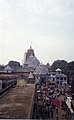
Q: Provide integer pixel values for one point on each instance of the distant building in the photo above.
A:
(8, 69)
(58, 77)
(53, 76)
(32, 64)
(41, 70)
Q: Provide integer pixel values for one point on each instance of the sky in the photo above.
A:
(48, 24)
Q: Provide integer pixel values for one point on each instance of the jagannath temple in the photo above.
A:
(30, 60)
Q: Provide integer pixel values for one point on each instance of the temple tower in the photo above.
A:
(30, 52)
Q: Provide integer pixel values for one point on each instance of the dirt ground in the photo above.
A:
(17, 102)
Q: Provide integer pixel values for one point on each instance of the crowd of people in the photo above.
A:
(47, 94)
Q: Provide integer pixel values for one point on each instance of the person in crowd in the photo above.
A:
(57, 116)
(56, 109)
(51, 110)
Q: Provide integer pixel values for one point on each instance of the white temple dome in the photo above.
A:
(32, 61)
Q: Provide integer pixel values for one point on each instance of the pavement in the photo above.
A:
(17, 102)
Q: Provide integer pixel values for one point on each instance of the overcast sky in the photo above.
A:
(49, 24)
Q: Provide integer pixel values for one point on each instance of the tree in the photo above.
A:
(69, 69)
(59, 64)
(14, 64)
(2, 67)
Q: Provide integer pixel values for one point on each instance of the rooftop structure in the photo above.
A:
(41, 70)
(8, 69)
(58, 77)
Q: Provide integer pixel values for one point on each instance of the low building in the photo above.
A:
(8, 69)
(58, 77)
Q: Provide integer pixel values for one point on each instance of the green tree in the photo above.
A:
(59, 64)
(14, 64)
(69, 69)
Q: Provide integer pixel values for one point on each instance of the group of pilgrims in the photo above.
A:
(47, 98)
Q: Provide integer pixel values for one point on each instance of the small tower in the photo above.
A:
(30, 52)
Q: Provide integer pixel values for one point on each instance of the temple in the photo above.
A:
(30, 59)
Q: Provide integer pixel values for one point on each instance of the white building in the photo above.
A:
(58, 77)
(8, 69)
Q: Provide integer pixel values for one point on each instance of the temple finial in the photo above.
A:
(31, 45)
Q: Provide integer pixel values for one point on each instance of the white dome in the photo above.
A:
(32, 61)
(58, 70)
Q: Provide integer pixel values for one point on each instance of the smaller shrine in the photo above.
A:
(30, 79)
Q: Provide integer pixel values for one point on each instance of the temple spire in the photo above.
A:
(31, 45)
